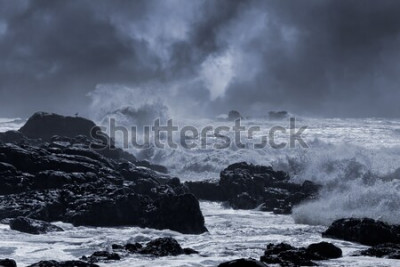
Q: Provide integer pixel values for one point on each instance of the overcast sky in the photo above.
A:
(311, 57)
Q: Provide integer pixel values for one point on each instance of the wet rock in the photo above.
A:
(133, 247)
(63, 264)
(287, 255)
(247, 186)
(364, 230)
(208, 190)
(324, 250)
(31, 226)
(387, 250)
(243, 263)
(8, 263)
(101, 256)
(180, 213)
(163, 247)
(190, 251)
(64, 179)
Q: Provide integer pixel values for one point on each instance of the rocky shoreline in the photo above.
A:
(65, 169)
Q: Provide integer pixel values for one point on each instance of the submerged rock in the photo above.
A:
(30, 226)
(63, 264)
(387, 250)
(364, 231)
(247, 186)
(160, 247)
(100, 256)
(242, 263)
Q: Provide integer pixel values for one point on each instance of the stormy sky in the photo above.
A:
(336, 58)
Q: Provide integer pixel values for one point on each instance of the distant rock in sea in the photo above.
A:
(278, 115)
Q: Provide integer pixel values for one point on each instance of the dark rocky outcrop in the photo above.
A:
(387, 250)
(247, 186)
(31, 226)
(242, 263)
(364, 231)
(65, 179)
(46, 125)
(287, 255)
(278, 115)
(324, 250)
(63, 264)
(8, 263)
(162, 247)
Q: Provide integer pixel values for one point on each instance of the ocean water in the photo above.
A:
(357, 161)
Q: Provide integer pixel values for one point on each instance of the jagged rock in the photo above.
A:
(247, 186)
(65, 179)
(30, 226)
(386, 250)
(63, 264)
(8, 263)
(159, 247)
(364, 230)
(242, 263)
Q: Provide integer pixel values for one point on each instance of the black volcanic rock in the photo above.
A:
(364, 231)
(247, 186)
(8, 263)
(63, 264)
(30, 226)
(242, 263)
(65, 179)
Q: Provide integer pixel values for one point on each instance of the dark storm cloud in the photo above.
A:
(336, 58)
